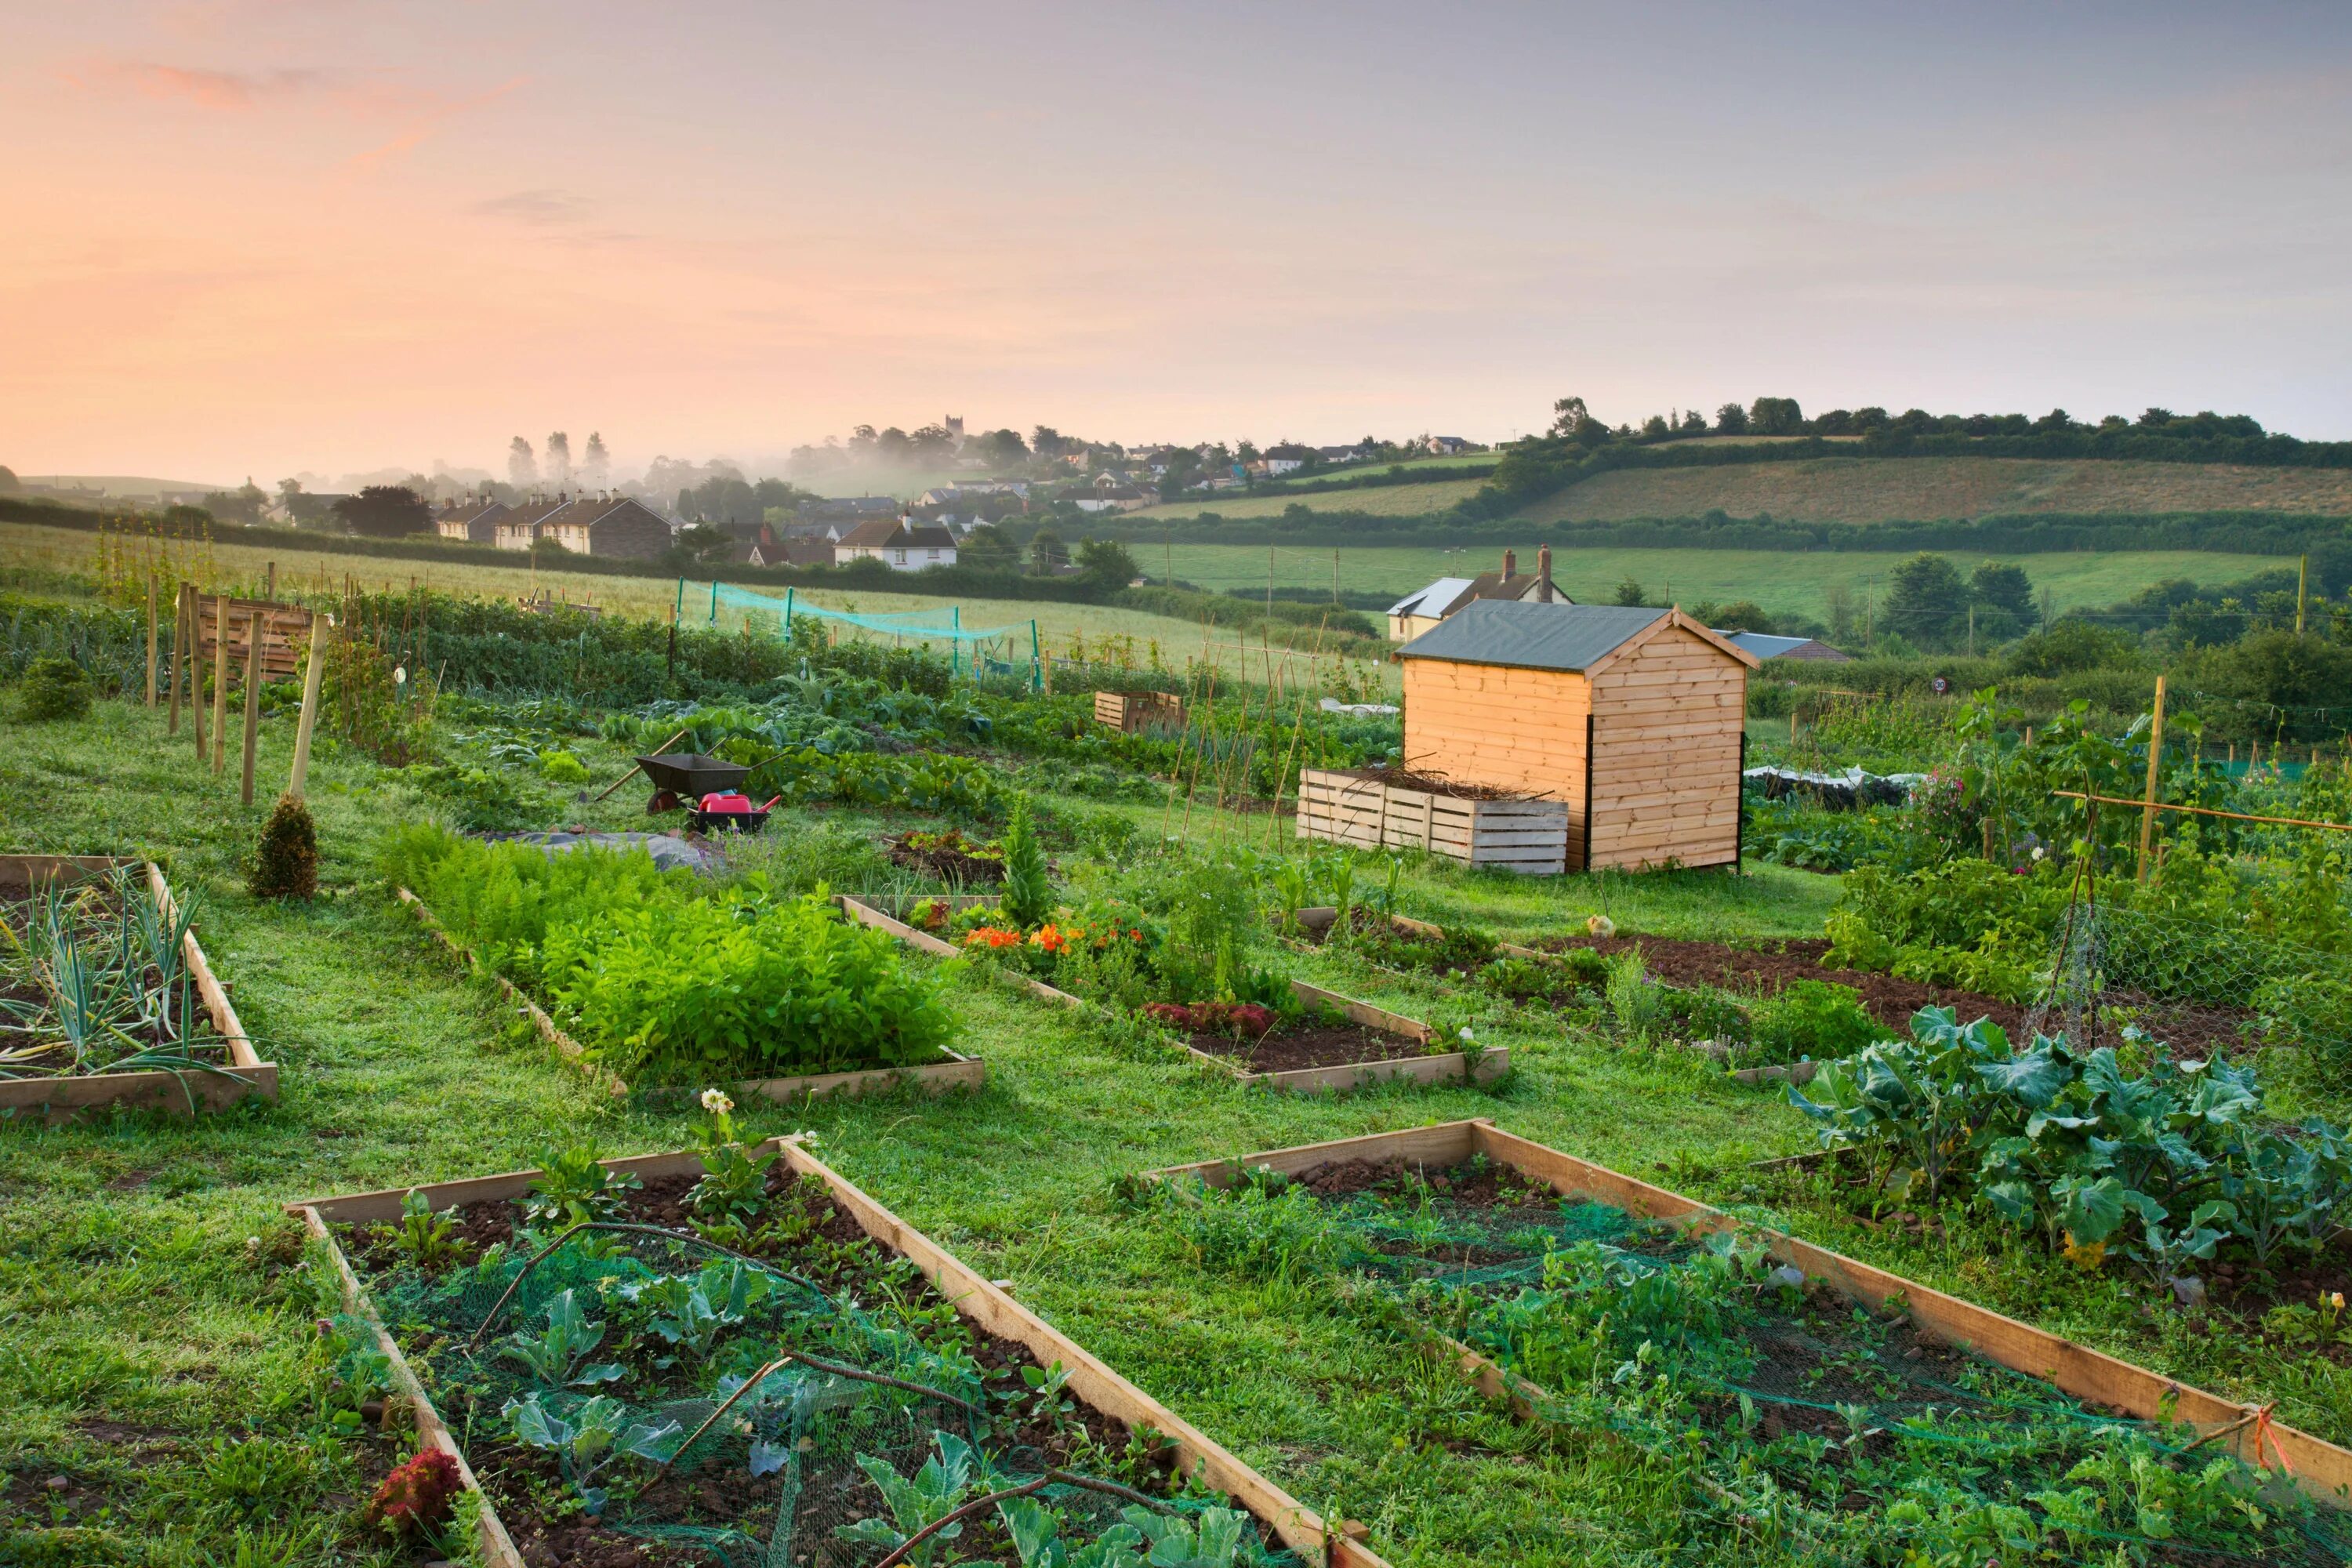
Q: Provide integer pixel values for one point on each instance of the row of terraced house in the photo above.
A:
(606, 524)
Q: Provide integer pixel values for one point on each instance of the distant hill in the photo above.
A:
(120, 487)
(1882, 490)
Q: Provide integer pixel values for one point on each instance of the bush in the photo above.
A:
(286, 866)
(562, 768)
(1809, 1018)
(1028, 890)
(53, 688)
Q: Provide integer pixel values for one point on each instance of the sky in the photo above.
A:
(262, 236)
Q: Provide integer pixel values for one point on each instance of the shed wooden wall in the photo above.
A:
(1508, 729)
(1667, 719)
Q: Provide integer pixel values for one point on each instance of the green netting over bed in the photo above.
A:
(992, 651)
(1853, 1432)
(731, 1411)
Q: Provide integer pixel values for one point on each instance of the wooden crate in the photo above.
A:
(976, 1297)
(1131, 711)
(62, 1098)
(2322, 1470)
(1529, 836)
(285, 634)
(1445, 1066)
(957, 1071)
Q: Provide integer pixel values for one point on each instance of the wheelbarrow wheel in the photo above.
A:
(662, 800)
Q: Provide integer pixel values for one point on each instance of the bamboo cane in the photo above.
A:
(313, 675)
(179, 653)
(2155, 756)
(151, 639)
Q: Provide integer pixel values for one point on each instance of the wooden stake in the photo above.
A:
(2301, 582)
(151, 639)
(313, 675)
(269, 580)
(220, 683)
(252, 702)
(179, 630)
(2155, 755)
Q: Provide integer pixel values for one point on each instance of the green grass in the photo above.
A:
(1879, 490)
(1779, 580)
(147, 1278)
(1384, 501)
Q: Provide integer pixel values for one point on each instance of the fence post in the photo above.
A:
(252, 699)
(151, 639)
(220, 684)
(2155, 755)
(179, 631)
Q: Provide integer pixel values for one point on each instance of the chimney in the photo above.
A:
(1543, 575)
(1510, 564)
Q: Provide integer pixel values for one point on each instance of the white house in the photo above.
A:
(900, 543)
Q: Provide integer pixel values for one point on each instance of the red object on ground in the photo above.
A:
(417, 1496)
(731, 801)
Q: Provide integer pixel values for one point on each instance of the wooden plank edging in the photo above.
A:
(2321, 1469)
(60, 1099)
(959, 1071)
(973, 1295)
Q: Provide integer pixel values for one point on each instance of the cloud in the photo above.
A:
(540, 208)
(219, 90)
(436, 112)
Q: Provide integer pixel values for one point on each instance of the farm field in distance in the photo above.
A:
(1382, 500)
(1880, 490)
(1779, 580)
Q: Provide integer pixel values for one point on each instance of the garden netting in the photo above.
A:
(735, 1412)
(992, 650)
(1862, 1437)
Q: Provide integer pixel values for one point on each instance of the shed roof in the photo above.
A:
(1767, 647)
(1527, 634)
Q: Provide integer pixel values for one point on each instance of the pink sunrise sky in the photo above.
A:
(254, 236)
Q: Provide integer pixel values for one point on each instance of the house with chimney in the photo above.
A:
(899, 543)
(614, 527)
(469, 521)
(1417, 613)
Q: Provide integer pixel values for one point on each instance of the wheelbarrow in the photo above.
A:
(729, 813)
(680, 777)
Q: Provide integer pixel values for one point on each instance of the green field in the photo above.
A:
(1382, 500)
(1063, 629)
(1779, 580)
(1880, 490)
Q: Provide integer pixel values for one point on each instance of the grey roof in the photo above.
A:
(1764, 645)
(1526, 634)
(1437, 595)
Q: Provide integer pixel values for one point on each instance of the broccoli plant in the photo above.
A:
(555, 1354)
(597, 1432)
(1220, 1538)
(948, 1479)
(692, 1313)
(1036, 1537)
(572, 1187)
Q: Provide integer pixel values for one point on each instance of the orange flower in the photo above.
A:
(992, 936)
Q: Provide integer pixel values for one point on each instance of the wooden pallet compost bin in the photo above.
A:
(1634, 718)
(1364, 811)
(974, 1295)
(959, 1071)
(1131, 711)
(182, 1093)
(2322, 1470)
(1467, 1067)
(284, 633)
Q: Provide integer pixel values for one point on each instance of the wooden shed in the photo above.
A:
(1634, 718)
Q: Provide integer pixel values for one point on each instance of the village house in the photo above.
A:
(1450, 446)
(613, 527)
(1767, 647)
(469, 521)
(900, 543)
(1417, 613)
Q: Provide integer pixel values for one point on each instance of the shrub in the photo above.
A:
(53, 688)
(1809, 1018)
(286, 865)
(562, 768)
(1028, 890)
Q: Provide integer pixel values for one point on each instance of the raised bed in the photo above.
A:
(1131, 711)
(1366, 812)
(182, 1093)
(957, 1071)
(2322, 1470)
(1468, 1067)
(986, 1305)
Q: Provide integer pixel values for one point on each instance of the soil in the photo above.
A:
(1317, 1045)
(950, 865)
(2193, 1031)
(828, 1247)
